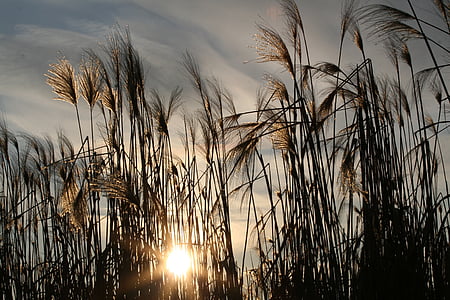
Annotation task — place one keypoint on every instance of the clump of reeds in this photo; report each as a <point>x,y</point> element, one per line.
<point>100,221</point>
<point>357,187</point>
<point>351,165</point>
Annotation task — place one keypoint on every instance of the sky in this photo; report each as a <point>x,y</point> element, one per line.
<point>34,33</point>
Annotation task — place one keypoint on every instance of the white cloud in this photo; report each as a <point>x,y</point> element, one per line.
<point>25,97</point>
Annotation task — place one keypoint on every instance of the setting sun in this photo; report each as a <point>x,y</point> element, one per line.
<point>178,261</point>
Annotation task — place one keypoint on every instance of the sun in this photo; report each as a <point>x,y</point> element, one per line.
<point>178,261</point>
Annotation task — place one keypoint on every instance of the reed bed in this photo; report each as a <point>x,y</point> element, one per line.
<point>351,165</point>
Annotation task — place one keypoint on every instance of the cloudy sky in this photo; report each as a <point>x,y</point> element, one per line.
<point>33,33</point>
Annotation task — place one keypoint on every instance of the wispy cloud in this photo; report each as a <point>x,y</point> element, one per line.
<point>218,33</point>
<point>33,36</point>
<point>25,98</point>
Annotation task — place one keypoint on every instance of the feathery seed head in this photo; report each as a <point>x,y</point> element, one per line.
<point>62,79</point>
<point>90,80</point>
<point>277,88</point>
<point>271,47</point>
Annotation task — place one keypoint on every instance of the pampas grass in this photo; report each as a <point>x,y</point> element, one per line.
<point>341,175</point>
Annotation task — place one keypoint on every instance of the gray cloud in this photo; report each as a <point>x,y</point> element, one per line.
<point>33,35</point>
<point>219,33</point>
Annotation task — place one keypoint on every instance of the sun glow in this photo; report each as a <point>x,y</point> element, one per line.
<point>178,261</point>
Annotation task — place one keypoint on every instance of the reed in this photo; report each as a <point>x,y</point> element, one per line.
<point>340,172</point>
<point>362,196</point>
